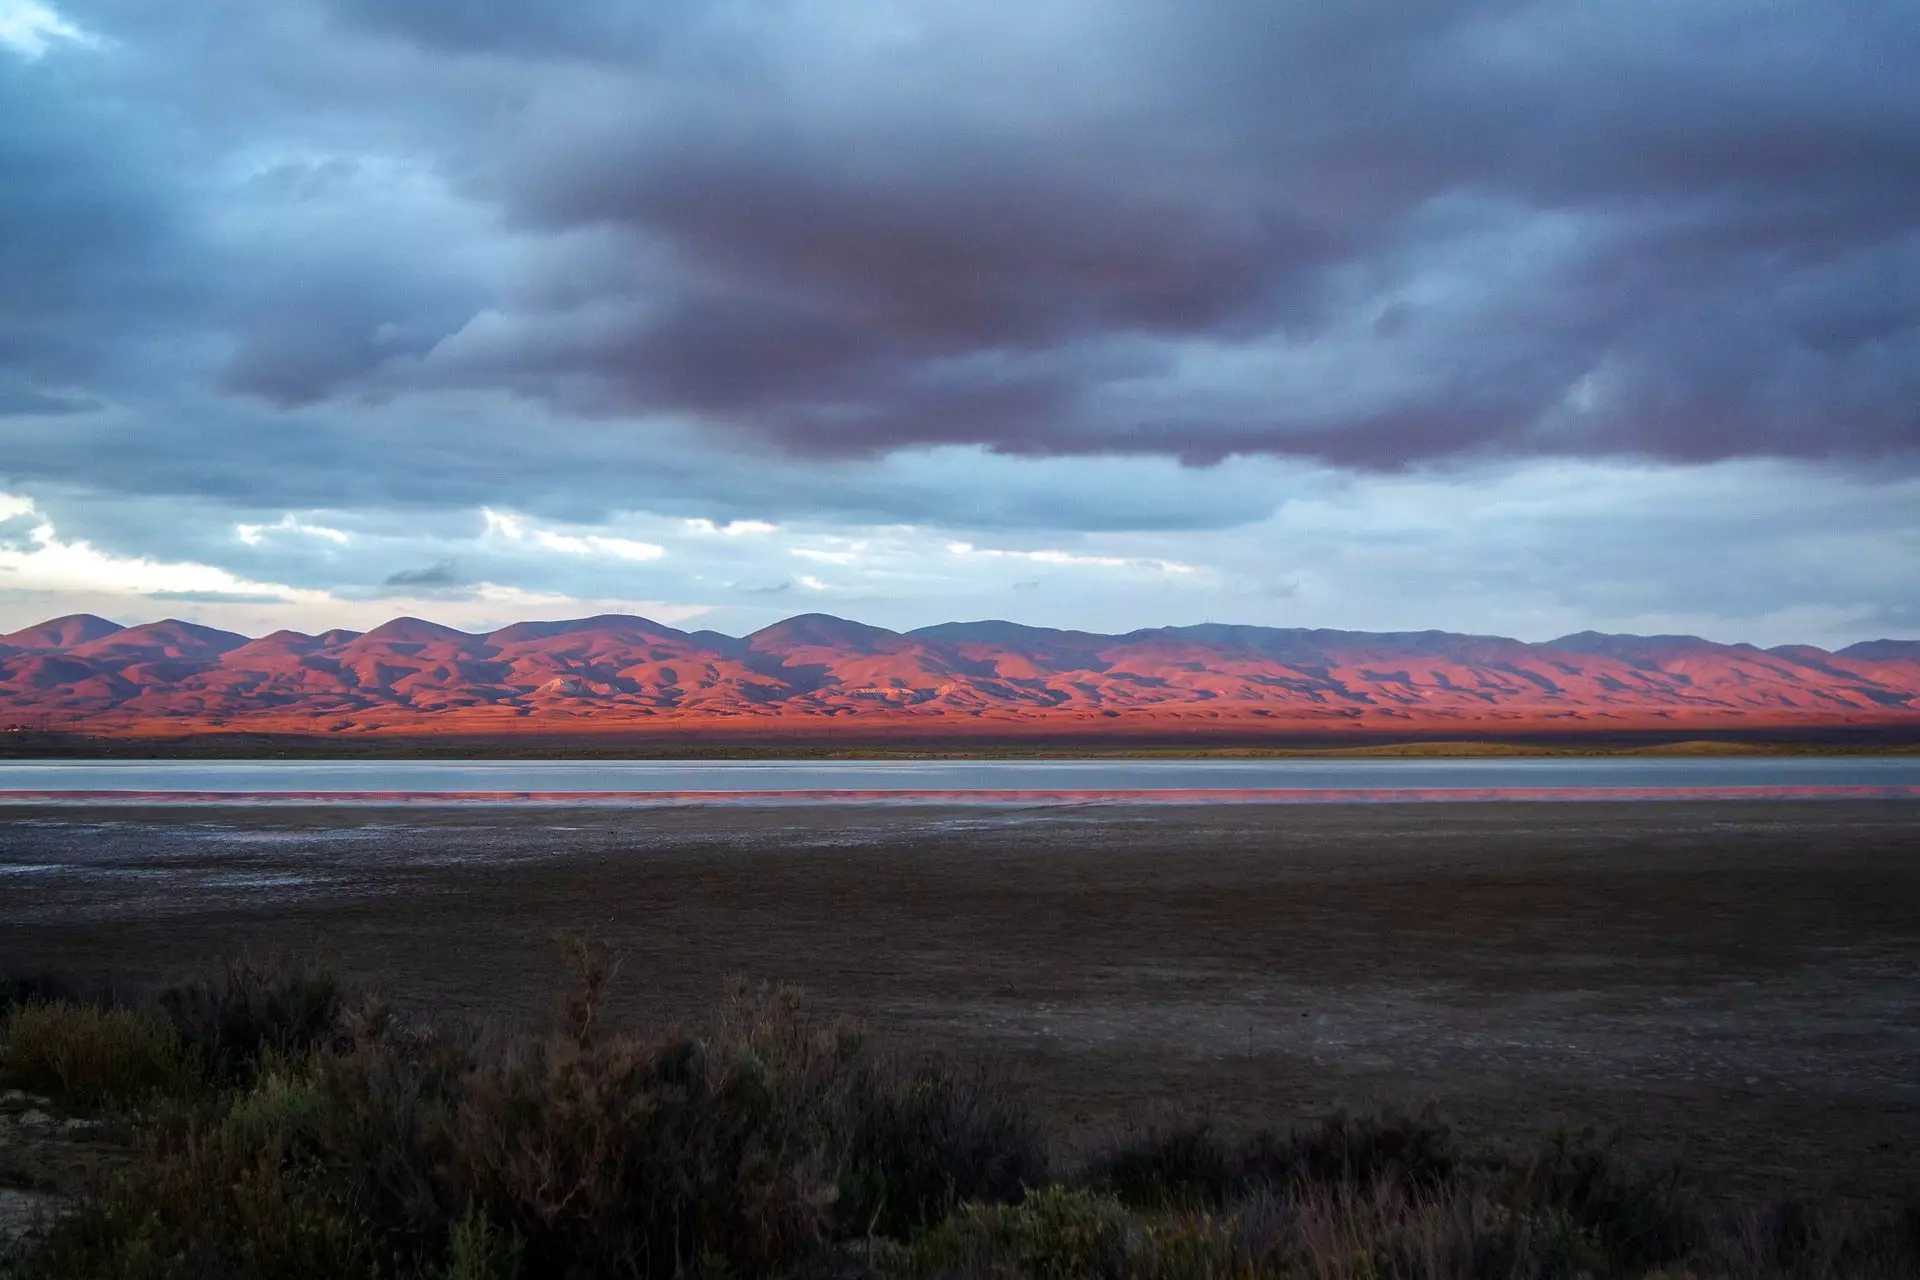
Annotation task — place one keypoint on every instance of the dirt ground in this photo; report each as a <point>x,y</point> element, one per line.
<point>1737,983</point>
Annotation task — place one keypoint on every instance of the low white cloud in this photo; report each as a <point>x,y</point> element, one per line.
<point>730,528</point>
<point>1760,551</point>
<point>594,544</point>
<point>1048,555</point>
<point>820,556</point>
<point>516,528</point>
<point>505,525</point>
<point>43,574</point>
<point>254,534</point>
<point>47,562</point>
<point>30,28</point>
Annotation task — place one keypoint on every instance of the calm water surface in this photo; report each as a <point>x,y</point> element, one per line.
<point>801,779</point>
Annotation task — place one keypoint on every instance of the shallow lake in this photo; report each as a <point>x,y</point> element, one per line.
<point>1009,780</point>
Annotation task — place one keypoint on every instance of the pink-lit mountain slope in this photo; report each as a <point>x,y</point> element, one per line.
<point>816,672</point>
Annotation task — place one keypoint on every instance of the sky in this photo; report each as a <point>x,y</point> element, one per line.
<point>1509,318</point>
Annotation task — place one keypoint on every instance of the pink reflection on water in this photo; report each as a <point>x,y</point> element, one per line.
<point>1423,795</point>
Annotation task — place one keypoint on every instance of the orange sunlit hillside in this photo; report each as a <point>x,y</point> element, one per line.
<point>86,674</point>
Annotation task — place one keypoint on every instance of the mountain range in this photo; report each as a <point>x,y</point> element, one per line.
<point>816,672</point>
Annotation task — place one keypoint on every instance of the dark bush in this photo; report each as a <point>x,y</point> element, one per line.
<point>751,1147</point>
<point>1192,1165</point>
<point>1637,1215</point>
<point>578,1154</point>
<point>592,1154</point>
<point>1346,1150</point>
<point>51,988</point>
<point>914,1139</point>
<point>13,992</point>
<point>1174,1165</point>
<point>619,1158</point>
<point>202,1206</point>
<point>341,1141</point>
<point>253,1008</point>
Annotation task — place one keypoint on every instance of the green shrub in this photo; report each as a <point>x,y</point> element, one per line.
<point>282,1113</point>
<point>91,1057</point>
<point>476,1250</point>
<point>1056,1233</point>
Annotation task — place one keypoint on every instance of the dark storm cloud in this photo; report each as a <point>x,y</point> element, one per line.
<point>1680,230</point>
<point>439,574</point>
<point>1369,233</point>
<point>230,461</point>
<point>593,31</point>
<point>89,237</point>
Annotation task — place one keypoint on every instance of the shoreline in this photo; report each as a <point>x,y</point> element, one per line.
<point>616,746</point>
<point>971,799</point>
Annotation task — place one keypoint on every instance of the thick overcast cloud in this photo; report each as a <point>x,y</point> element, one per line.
<point>1513,317</point>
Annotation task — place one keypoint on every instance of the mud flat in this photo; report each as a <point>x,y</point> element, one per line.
<point>1740,980</point>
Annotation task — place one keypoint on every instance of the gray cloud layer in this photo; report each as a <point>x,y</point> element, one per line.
<point>1157,271</point>
<point>1680,229</point>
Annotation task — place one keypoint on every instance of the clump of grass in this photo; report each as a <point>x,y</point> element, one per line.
<point>45,987</point>
<point>1470,1230</point>
<point>1180,1163</point>
<point>477,1250</point>
<point>1192,1164</point>
<point>283,1112</point>
<point>1057,1232</point>
<point>1345,1149</point>
<point>88,1056</point>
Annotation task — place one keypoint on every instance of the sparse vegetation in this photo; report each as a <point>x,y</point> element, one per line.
<point>1192,1165</point>
<point>294,1132</point>
<point>92,1056</point>
<point>253,1011</point>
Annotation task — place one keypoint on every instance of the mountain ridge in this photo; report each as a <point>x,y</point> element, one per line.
<point>819,671</point>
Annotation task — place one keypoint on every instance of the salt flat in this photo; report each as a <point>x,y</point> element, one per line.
<point>1741,980</point>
